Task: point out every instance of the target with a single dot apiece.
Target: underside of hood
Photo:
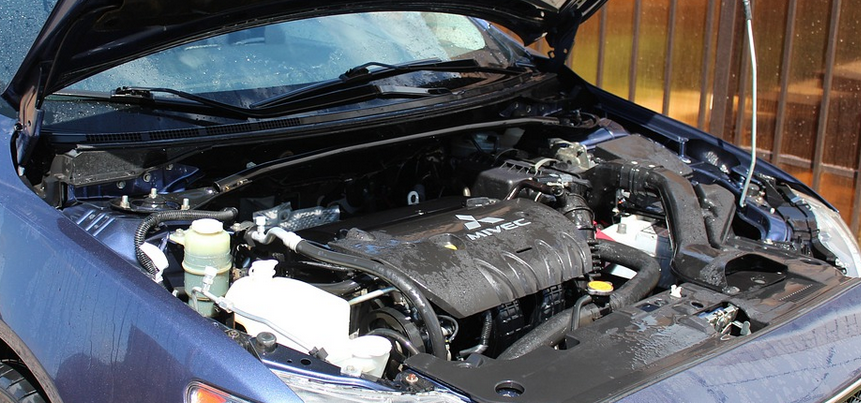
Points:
(82, 38)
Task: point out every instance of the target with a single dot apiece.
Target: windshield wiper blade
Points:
(144, 95)
(351, 95)
(351, 87)
(362, 75)
(184, 101)
(332, 98)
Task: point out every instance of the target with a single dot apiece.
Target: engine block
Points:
(478, 257)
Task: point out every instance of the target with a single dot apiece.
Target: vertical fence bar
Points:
(830, 51)
(855, 221)
(668, 63)
(602, 40)
(707, 62)
(785, 75)
(635, 52)
(743, 84)
(723, 70)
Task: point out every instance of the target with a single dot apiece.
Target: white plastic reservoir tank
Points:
(206, 243)
(310, 315)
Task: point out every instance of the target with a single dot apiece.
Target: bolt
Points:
(124, 202)
(261, 224)
(153, 193)
(266, 341)
(185, 204)
(121, 185)
(411, 378)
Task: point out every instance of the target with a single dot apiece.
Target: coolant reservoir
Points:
(206, 244)
(311, 316)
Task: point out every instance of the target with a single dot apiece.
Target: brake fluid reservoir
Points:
(312, 317)
(206, 244)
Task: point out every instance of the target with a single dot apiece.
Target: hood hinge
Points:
(30, 116)
(561, 37)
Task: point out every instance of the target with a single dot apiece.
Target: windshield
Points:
(22, 20)
(301, 52)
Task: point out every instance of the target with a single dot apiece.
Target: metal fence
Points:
(689, 59)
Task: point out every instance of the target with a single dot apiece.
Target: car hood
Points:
(82, 38)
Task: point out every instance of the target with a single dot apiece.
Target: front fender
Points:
(91, 327)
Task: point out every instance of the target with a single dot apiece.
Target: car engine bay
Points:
(459, 258)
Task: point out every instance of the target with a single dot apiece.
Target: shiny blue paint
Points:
(91, 326)
(810, 358)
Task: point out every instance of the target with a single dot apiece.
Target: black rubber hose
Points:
(692, 249)
(486, 328)
(484, 338)
(549, 333)
(399, 338)
(225, 216)
(554, 329)
(340, 288)
(578, 307)
(403, 283)
(647, 268)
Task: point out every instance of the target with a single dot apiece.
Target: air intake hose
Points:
(694, 259)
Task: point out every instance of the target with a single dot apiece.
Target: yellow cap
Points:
(450, 246)
(597, 287)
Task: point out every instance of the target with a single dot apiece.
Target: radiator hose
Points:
(647, 268)
(554, 329)
(153, 220)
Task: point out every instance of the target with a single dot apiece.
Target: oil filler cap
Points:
(599, 288)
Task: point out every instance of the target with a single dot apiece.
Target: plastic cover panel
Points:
(473, 259)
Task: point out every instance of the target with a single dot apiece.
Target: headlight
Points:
(835, 235)
(313, 391)
(201, 393)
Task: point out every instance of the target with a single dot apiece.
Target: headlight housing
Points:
(198, 392)
(314, 391)
(835, 235)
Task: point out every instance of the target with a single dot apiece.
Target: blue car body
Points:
(81, 317)
(91, 328)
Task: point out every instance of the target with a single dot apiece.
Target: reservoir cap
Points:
(600, 288)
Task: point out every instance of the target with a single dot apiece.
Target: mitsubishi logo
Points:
(473, 223)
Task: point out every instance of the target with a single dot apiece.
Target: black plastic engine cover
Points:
(476, 258)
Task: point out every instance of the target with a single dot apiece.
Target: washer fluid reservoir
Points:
(312, 317)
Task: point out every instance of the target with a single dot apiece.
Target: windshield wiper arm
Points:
(145, 95)
(334, 97)
(362, 75)
(351, 87)
(351, 95)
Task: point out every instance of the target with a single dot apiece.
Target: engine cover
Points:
(476, 258)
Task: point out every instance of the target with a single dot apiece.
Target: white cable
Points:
(748, 15)
(290, 239)
(371, 295)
